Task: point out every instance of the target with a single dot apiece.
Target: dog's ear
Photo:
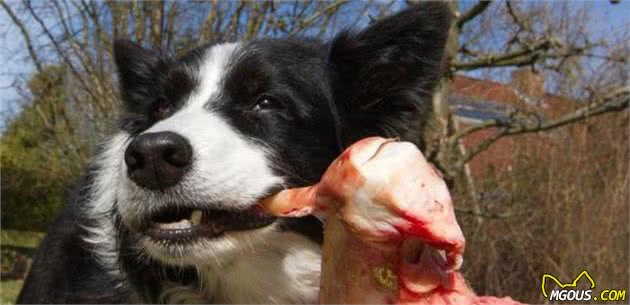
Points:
(137, 71)
(383, 76)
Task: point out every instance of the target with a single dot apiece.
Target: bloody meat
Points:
(390, 234)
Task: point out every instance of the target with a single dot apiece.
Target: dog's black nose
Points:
(158, 160)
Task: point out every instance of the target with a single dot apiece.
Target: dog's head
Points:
(215, 131)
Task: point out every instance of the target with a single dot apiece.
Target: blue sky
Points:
(15, 64)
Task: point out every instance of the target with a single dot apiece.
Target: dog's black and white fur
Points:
(235, 123)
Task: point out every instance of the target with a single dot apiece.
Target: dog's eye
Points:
(162, 108)
(266, 102)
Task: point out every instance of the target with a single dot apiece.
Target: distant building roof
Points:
(497, 98)
(476, 100)
(473, 110)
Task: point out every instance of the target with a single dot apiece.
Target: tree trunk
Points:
(440, 127)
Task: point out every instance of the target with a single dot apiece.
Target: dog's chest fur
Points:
(284, 270)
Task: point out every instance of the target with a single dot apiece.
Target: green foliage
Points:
(10, 291)
(40, 157)
(22, 239)
(14, 242)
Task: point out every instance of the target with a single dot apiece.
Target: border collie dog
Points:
(167, 211)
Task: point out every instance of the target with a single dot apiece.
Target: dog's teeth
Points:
(182, 224)
(195, 217)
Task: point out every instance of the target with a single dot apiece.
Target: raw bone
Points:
(391, 235)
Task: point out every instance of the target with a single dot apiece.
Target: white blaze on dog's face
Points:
(227, 172)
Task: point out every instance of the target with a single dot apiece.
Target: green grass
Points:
(9, 291)
(22, 239)
(13, 241)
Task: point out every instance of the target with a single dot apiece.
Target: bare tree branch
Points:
(139, 21)
(206, 29)
(472, 129)
(25, 35)
(616, 101)
(515, 17)
(524, 56)
(59, 49)
(326, 10)
(481, 6)
(522, 23)
(477, 213)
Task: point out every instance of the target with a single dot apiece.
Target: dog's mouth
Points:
(182, 224)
